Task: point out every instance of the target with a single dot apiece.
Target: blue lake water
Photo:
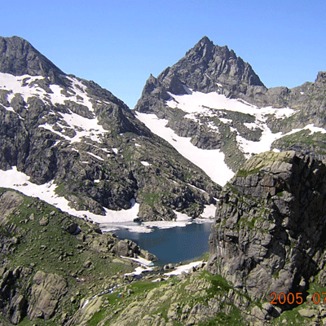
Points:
(172, 245)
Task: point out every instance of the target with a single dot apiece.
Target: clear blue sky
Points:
(118, 43)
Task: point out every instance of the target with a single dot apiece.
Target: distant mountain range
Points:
(216, 100)
(77, 146)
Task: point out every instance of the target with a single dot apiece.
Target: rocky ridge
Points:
(63, 130)
(18, 58)
(204, 68)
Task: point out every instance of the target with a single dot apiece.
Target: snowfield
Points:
(187, 268)
(206, 104)
(210, 161)
(196, 105)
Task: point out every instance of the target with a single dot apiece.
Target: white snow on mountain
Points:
(197, 101)
(77, 93)
(83, 127)
(185, 269)
(112, 220)
(27, 86)
(198, 105)
(96, 156)
(21, 85)
(209, 211)
(210, 161)
(310, 127)
(20, 181)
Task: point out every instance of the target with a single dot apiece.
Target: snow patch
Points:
(49, 127)
(226, 121)
(140, 260)
(96, 156)
(145, 266)
(198, 103)
(250, 147)
(182, 217)
(187, 268)
(84, 127)
(310, 127)
(209, 211)
(250, 125)
(77, 93)
(21, 85)
(24, 85)
(194, 102)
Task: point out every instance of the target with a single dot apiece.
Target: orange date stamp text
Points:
(296, 298)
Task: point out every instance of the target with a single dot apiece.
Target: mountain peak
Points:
(206, 66)
(204, 41)
(18, 57)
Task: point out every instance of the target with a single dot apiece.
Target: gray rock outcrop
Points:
(269, 233)
(46, 291)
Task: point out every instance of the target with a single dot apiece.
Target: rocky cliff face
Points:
(60, 129)
(269, 234)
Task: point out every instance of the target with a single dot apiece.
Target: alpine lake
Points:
(172, 245)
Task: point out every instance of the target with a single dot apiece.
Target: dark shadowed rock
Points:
(269, 233)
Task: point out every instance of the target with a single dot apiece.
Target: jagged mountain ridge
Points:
(86, 145)
(215, 98)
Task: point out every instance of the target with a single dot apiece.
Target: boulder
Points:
(46, 292)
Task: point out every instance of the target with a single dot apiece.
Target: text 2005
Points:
(289, 298)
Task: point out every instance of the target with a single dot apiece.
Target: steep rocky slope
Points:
(217, 100)
(86, 146)
(51, 261)
(269, 234)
